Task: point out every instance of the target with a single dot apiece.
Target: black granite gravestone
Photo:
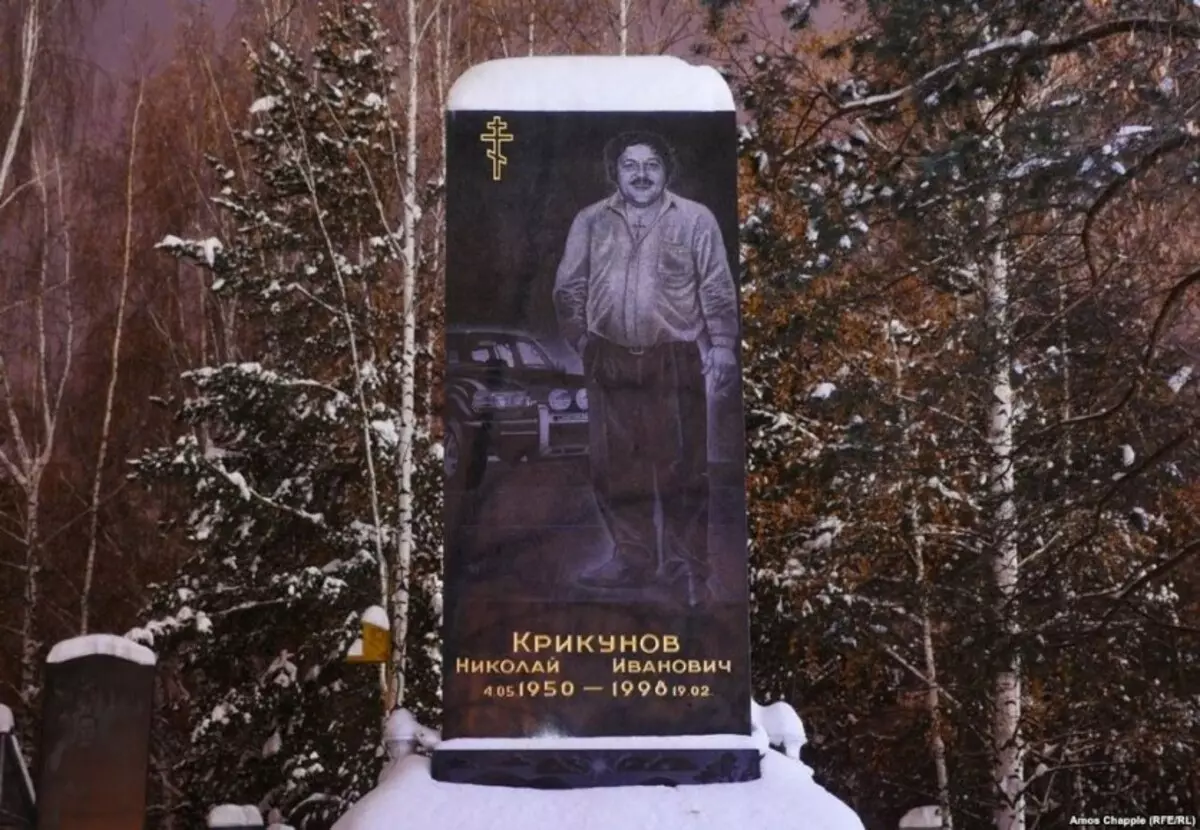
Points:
(596, 551)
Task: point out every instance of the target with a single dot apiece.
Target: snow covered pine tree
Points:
(289, 459)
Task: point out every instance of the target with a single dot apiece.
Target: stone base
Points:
(784, 798)
(581, 763)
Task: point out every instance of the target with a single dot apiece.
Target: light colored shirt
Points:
(672, 284)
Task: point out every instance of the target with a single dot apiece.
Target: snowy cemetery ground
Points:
(785, 798)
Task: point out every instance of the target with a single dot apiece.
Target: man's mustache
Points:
(641, 182)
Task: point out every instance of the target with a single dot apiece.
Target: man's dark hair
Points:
(619, 144)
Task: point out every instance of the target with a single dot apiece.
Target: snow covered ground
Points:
(785, 798)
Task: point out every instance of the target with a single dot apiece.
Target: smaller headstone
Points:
(95, 745)
(17, 800)
(234, 817)
(928, 817)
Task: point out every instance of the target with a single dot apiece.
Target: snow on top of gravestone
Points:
(108, 644)
(785, 798)
(375, 616)
(6, 719)
(231, 815)
(593, 83)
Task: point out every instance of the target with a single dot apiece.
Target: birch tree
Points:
(89, 567)
(37, 329)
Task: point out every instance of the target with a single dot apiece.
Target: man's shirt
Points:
(672, 285)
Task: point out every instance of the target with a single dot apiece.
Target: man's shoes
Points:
(629, 567)
(688, 589)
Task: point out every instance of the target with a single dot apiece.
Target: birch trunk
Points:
(29, 49)
(89, 567)
(24, 468)
(1065, 356)
(402, 566)
(933, 695)
(441, 56)
(1008, 770)
(34, 446)
(30, 642)
(623, 25)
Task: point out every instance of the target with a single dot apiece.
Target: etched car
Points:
(507, 400)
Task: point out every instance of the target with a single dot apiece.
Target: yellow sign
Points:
(497, 134)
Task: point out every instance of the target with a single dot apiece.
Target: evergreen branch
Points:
(1122, 594)
(1174, 296)
(244, 488)
(1029, 47)
(1117, 185)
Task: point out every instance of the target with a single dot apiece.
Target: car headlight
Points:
(559, 400)
(499, 400)
(581, 399)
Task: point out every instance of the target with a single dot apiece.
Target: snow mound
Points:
(6, 719)
(376, 616)
(922, 818)
(1179, 379)
(780, 725)
(592, 83)
(402, 727)
(785, 798)
(822, 391)
(107, 644)
(231, 815)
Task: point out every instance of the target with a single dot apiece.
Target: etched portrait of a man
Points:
(645, 294)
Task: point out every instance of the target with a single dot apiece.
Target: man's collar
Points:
(617, 202)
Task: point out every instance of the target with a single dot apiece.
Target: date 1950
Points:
(618, 688)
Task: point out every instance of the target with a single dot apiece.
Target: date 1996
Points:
(644, 688)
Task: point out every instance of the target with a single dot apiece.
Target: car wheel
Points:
(459, 459)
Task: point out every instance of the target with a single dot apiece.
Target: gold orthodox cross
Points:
(497, 134)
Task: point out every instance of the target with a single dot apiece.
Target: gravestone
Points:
(17, 799)
(234, 817)
(596, 597)
(928, 817)
(95, 744)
